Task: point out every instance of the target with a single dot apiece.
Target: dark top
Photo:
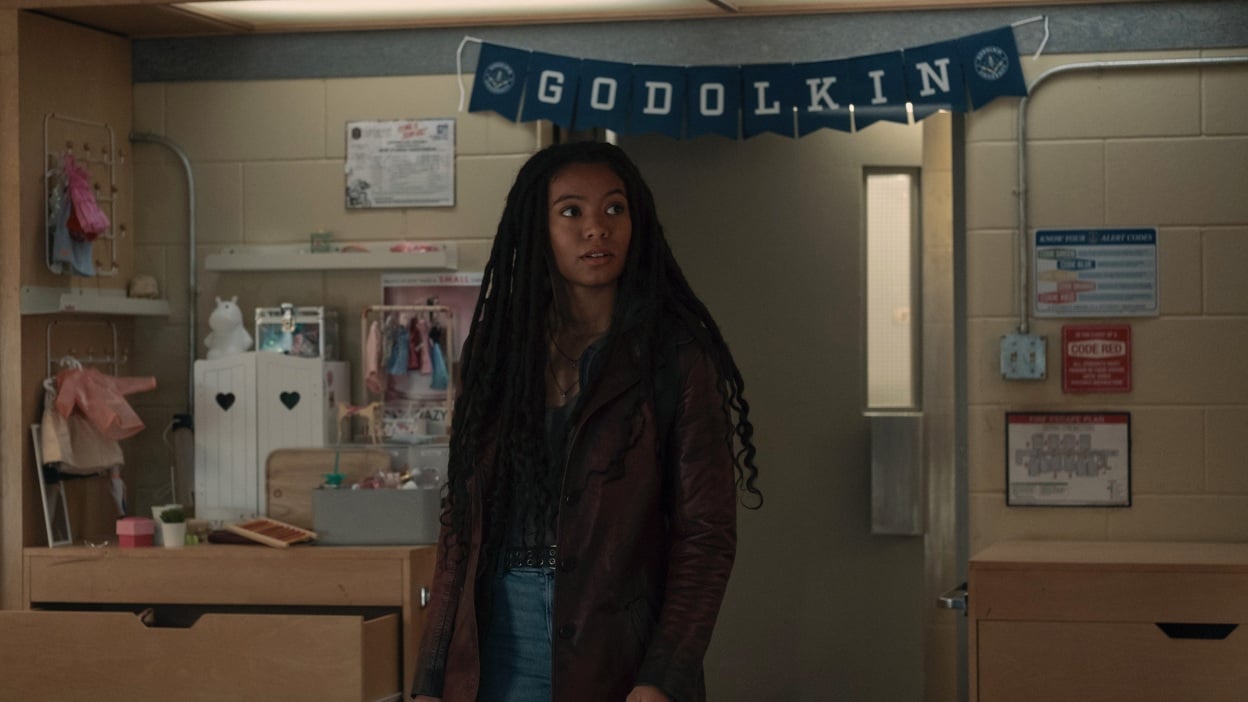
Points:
(520, 535)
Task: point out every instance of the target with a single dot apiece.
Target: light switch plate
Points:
(1022, 357)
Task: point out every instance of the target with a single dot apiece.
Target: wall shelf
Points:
(374, 256)
(40, 300)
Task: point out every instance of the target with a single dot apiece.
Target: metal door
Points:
(768, 231)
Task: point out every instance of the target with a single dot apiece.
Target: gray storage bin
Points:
(342, 517)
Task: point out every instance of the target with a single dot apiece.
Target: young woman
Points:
(601, 441)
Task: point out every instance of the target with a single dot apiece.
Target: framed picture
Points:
(1068, 459)
(400, 163)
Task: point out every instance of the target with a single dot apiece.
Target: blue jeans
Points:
(515, 655)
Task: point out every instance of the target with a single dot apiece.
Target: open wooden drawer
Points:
(112, 655)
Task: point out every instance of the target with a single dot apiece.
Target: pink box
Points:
(135, 531)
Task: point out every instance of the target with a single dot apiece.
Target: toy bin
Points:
(306, 332)
(345, 517)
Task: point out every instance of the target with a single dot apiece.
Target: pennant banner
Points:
(744, 101)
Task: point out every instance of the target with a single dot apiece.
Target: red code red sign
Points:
(1096, 358)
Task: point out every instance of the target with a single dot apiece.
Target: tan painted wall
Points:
(1165, 148)
(267, 158)
(11, 433)
(72, 72)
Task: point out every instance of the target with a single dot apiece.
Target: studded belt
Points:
(529, 557)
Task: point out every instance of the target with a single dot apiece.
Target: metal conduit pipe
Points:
(1024, 269)
(193, 294)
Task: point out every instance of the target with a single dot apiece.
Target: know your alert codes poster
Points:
(1095, 272)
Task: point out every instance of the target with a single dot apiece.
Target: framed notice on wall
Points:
(1095, 272)
(1068, 459)
(401, 163)
(1096, 358)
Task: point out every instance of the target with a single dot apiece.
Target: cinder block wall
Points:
(1143, 147)
(268, 158)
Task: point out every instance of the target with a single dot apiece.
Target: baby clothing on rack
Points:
(372, 359)
(75, 447)
(399, 352)
(437, 361)
(78, 255)
(101, 399)
(75, 443)
(423, 364)
(406, 353)
(415, 342)
(86, 220)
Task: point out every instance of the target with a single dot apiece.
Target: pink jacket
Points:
(101, 398)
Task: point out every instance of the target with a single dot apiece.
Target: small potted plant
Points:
(173, 527)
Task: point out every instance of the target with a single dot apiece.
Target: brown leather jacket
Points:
(643, 559)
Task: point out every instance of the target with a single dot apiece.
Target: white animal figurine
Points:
(228, 335)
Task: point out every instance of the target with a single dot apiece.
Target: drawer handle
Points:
(1185, 630)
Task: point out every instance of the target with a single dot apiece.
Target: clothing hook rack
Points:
(66, 356)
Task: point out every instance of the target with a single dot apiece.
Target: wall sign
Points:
(1068, 459)
(735, 101)
(401, 163)
(1095, 272)
(1096, 358)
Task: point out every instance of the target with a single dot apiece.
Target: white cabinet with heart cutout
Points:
(247, 405)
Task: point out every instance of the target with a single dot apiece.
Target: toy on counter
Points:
(371, 412)
(271, 532)
(334, 480)
(228, 336)
(134, 532)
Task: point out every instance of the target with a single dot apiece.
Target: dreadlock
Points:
(503, 361)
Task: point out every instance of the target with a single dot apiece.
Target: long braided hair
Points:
(503, 396)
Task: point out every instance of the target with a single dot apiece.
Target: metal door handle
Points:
(424, 597)
(954, 599)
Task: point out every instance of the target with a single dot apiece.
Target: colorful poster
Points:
(1095, 272)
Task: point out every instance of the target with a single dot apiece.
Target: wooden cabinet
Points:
(248, 622)
(1109, 621)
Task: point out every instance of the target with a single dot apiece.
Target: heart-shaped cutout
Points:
(290, 399)
(225, 400)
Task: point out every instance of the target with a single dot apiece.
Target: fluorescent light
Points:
(262, 13)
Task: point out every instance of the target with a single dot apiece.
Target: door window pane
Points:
(891, 231)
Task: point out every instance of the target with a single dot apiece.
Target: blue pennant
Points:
(499, 81)
(714, 100)
(878, 88)
(551, 91)
(991, 66)
(605, 96)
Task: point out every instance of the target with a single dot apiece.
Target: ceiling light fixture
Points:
(269, 14)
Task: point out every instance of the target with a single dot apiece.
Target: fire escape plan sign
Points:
(1095, 272)
(1068, 459)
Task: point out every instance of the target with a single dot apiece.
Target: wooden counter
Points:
(236, 578)
(1108, 621)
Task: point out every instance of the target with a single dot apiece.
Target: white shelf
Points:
(37, 300)
(377, 256)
